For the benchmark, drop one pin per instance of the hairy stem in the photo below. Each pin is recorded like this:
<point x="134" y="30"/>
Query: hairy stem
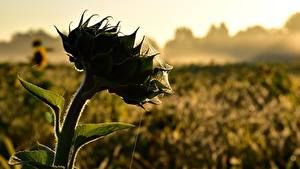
<point x="65" y="138"/>
<point x="57" y="124"/>
<point x="73" y="158"/>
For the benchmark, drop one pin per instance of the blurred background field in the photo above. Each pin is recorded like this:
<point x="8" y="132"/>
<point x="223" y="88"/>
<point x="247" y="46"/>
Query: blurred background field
<point x="236" y="79"/>
<point x="230" y="116"/>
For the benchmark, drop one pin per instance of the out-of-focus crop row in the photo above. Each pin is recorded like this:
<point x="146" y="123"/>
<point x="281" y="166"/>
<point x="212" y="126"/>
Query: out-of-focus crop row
<point x="232" y="116"/>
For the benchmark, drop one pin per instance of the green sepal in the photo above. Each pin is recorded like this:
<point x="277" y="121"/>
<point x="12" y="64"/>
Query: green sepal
<point x="65" y="41"/>
<point x="86" y="23"/>
<point x="136" y="51"/>
<point x="113" y="29"/>
<point x="128" y="40"/>
<point x="86" y="133"/>
<point x="53" y="100"/>
<point x="160" y="79"/>
<point x="146" y="64"/>
<point x="160" y="64"/>
<point x="81" y="19"/>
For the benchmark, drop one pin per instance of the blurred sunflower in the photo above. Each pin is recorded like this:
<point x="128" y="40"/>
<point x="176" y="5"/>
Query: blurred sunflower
<point x="40" y="57"/>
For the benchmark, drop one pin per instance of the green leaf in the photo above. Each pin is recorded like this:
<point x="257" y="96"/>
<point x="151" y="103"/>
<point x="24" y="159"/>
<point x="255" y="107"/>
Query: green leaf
<point x="39" y="146"/>
<point x="39" y="157"/>
<point x="55" y="101"/>
<point x="36" y="158"/>
<point x="86" y="133"/>
<point x="28" y="166"/>
<point x="49" y="117"/>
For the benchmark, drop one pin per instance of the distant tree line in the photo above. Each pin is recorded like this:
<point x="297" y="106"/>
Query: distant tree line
<point x="253" y="43"/>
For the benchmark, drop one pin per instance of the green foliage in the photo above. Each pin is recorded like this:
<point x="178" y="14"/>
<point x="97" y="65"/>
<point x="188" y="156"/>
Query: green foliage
<point x="232" y="116"/>
<point x="86" y="133"/>
<point x="40" y="159"/>
<point x="135" y="75"/>
<point x="229" y="116"/>
<point x="53" y="100"/>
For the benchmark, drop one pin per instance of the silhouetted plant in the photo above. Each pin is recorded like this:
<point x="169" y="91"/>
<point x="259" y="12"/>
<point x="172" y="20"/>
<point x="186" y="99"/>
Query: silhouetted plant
<point x="111" y="62"/>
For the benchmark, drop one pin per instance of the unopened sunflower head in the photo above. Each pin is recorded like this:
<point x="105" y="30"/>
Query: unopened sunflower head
<point x="125" y="69"/>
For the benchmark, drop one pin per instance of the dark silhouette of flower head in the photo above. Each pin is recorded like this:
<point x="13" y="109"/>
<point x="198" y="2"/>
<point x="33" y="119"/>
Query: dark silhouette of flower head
<point x="125" y="69"/>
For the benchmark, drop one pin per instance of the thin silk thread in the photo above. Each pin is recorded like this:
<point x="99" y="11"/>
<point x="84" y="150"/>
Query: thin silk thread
<point x="136" y="139"/>
<point x="141" y="119"/>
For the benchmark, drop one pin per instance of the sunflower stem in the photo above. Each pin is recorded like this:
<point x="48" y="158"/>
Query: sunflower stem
<point x="64" y="144"/>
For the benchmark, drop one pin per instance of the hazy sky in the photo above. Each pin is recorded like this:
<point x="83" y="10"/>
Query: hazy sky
<point x="157" y="18"/>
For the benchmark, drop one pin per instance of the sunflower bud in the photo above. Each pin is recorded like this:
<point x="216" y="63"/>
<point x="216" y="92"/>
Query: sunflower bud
<point x="125" y="69"/>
